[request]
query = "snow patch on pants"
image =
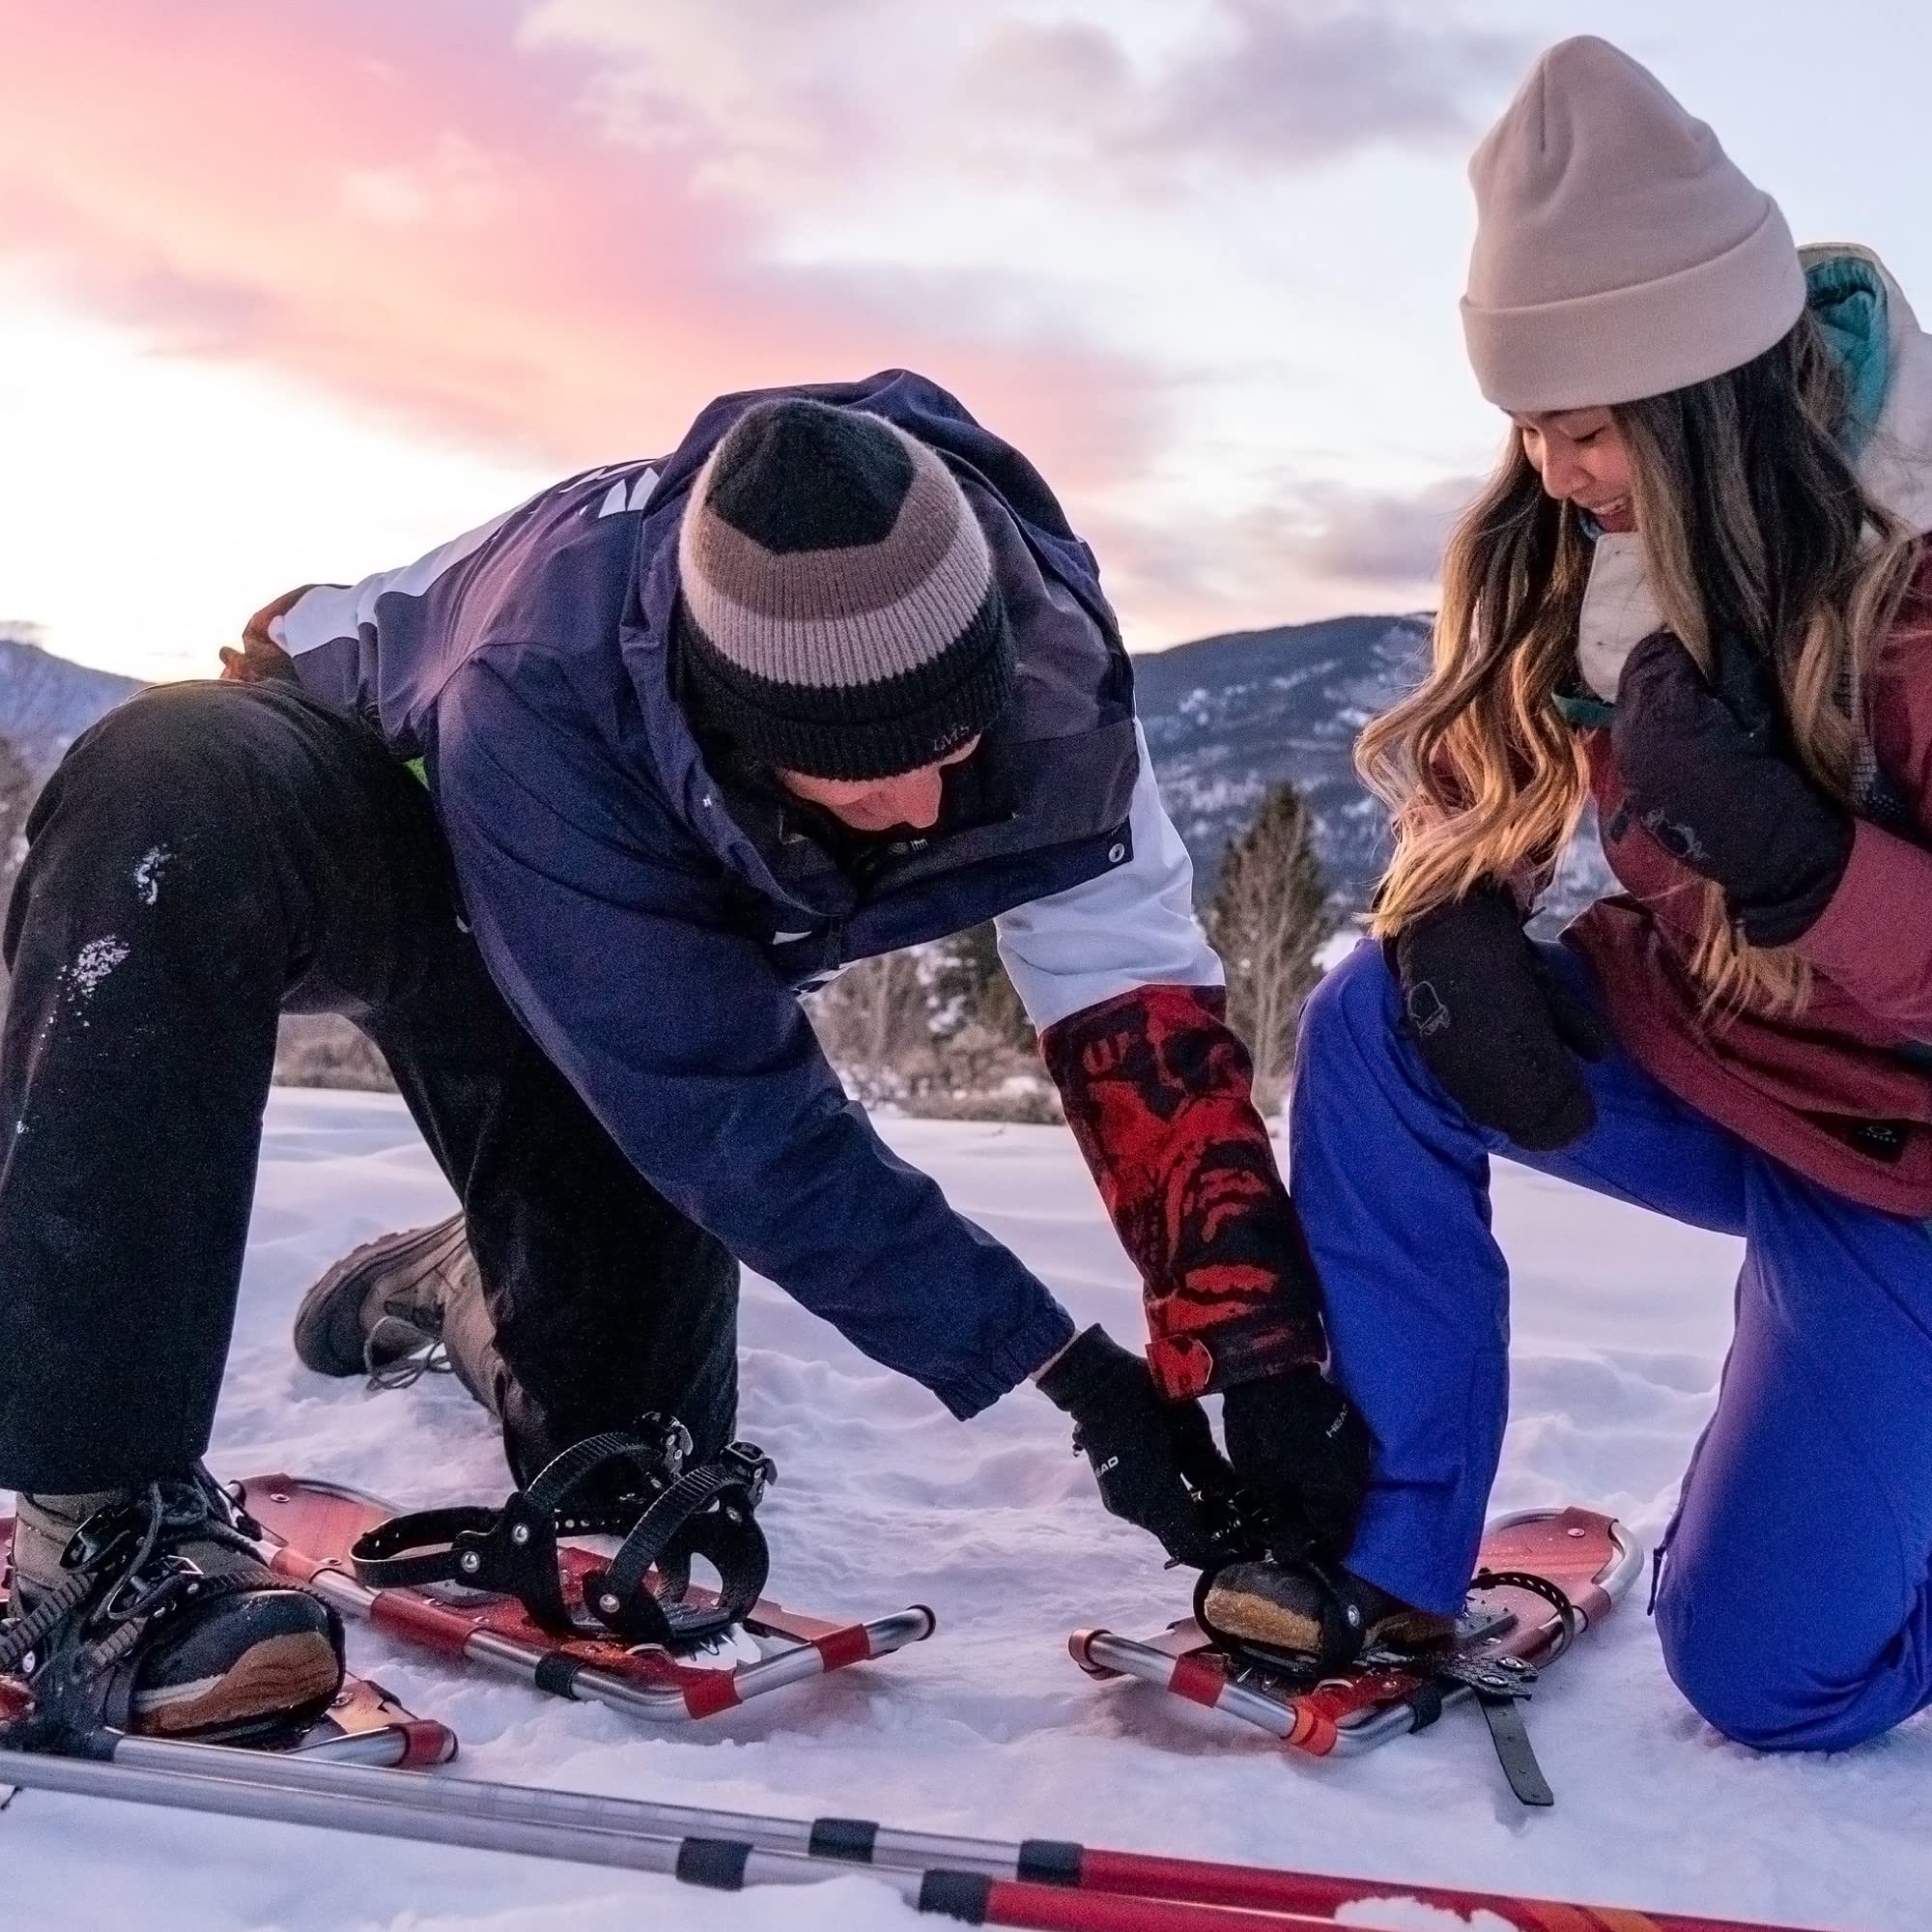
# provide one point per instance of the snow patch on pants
(148, 875)
(98, 958)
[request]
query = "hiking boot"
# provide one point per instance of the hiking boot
(382, 1310)
(412, 1304)
(1311, 1619)
(237, 1652)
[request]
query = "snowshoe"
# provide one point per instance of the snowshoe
(1545, 1578)
(150, 1611)
(515, 1590)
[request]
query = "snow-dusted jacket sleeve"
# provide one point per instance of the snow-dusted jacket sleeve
(695, 1054)
(1128, 998)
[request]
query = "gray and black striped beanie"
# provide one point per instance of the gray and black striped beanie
(838, 616)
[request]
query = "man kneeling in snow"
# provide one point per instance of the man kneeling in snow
(832, 679)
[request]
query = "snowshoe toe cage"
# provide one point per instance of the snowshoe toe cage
(639, 1488)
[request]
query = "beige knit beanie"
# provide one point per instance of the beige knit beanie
(1619, 252)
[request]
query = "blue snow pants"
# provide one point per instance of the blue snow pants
(1796, 1602)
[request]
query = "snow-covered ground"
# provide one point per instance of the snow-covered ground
(1620, 1322)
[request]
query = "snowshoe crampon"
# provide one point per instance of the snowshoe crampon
(364, 1724)
(737, 1652)
(1543, 1577)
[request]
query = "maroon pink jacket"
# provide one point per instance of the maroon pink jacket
(1805, 1088)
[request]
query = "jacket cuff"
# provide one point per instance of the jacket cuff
(1249, 1348)
(1041, 1337)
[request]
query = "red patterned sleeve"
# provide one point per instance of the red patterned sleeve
(1157, 1091)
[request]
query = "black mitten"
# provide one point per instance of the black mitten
(1708, 777)
(1499, 1031)
(1300, 1452)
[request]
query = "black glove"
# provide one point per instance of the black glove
(1498, 1029)
(1145, 1452)
(1708, 777)
(1300, 1453)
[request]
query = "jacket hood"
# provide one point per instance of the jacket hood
(1888, 363)
(1073, 673)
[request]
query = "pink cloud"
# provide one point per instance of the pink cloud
(416, 208)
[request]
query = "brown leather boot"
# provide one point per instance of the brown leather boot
(401, 1306)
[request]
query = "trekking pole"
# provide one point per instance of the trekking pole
(480, 1816)
(828, 1845)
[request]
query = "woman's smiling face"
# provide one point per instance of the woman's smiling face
(1582, 459)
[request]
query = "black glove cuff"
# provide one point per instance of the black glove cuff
(1088, 1363)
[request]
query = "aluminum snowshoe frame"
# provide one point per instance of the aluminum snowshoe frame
(312, 1528)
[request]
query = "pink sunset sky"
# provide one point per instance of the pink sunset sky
(295, 289)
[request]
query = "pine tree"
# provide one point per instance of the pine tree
(1268, 919)
(978, 992)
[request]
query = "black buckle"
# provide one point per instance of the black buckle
(758, 1471)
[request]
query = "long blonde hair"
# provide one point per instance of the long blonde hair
(1754, 527)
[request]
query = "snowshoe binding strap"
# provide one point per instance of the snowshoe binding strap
(636, 1486)
(1569, 1618)
(708, 1512)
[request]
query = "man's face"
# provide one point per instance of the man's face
(879, 805)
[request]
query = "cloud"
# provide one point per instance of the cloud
(1312, 549)
(433, 210)
(1297, 86)
(556, 228)
(1384, 539)
(1277, 88)
(804, 106)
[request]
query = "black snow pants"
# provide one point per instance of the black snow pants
(207, 857)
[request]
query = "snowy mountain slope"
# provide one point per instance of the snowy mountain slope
(1226, 716)
(1620, 1323)
(46, 702)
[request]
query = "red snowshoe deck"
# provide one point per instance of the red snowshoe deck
(313, 1526)
(364, 1726)
(1592, 1559)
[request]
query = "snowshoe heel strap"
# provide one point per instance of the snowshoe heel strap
(708, 1512)
(510, 1551)
(667, 1514)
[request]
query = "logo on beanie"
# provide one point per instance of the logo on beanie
(950, 740)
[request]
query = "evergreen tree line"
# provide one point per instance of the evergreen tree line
(940, 1031)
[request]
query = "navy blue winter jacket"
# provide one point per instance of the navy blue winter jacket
(653, 938)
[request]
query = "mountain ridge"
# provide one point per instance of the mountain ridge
(1226, 717)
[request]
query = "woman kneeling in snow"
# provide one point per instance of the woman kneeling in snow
(1696, 592)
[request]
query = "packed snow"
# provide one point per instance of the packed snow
(1620, 1323)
